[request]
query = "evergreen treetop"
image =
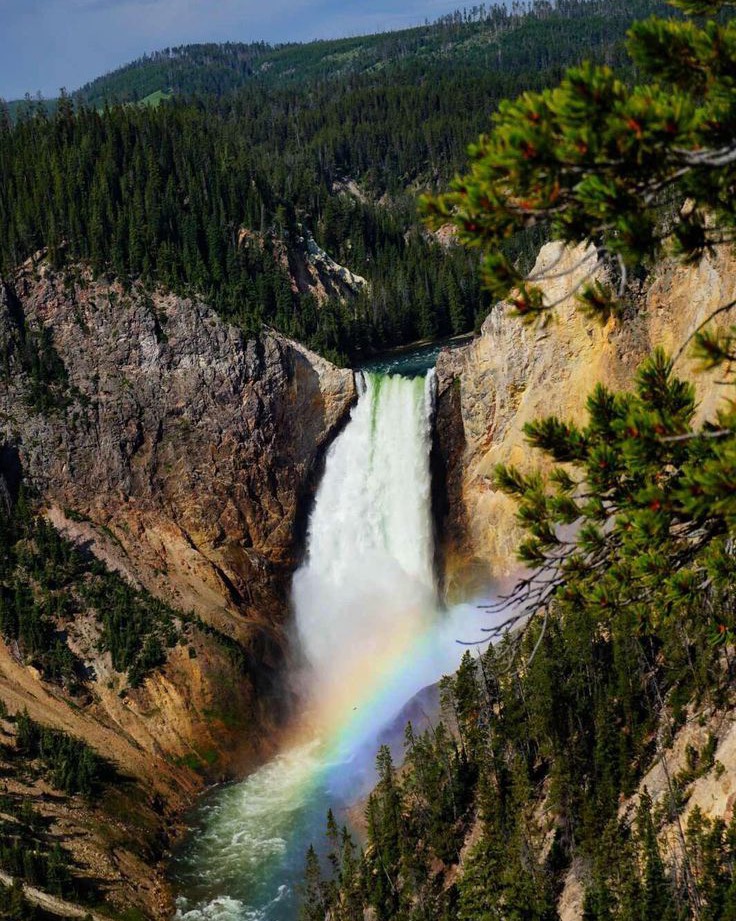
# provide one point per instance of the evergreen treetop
(597, 160)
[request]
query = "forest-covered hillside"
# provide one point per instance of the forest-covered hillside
(331, 137)
(496, 37)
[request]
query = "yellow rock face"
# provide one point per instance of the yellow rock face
(512, 374)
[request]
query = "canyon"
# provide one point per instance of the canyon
(161, 441)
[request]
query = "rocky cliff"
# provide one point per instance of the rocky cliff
(193, 447)
(512, 373)
(159, 440)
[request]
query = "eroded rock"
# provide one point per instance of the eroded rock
(512, 373)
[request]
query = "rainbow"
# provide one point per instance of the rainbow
(352, 727)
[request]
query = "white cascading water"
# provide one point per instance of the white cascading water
(371, 634)
(366, 590)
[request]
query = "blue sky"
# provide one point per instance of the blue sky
(47, 44)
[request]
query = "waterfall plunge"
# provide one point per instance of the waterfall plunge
(366, 589)
(372, 635)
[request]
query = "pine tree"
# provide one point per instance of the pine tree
(469, 707)
(656, 898)
(313, 906)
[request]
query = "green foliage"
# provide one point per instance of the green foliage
(648, 498)
(712, 854)
(136, 627)
(637, 886)
(13, 903)
(161, 193)
(412, 822)
(30, 855)
(33, 352)
(45, 581)
(342, 890)
(47, 375)
(68, 763)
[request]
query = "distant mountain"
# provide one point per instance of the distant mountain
(539, 35)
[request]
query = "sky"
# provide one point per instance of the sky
(48, 44)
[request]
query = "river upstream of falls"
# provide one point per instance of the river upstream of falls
(372, 635)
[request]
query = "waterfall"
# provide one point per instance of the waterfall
(371, 633)
(366, 589)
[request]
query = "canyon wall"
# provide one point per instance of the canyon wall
(194, 448)
(513, 373)
(184, 456)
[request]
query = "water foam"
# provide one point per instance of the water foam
(366, 590)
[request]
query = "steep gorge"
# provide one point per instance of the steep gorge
(162, 442)
(159, 440)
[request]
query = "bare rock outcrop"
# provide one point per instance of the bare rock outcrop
(195, 448)
(512, 373)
